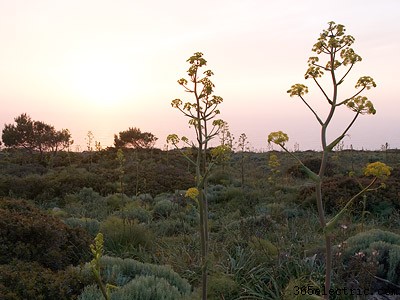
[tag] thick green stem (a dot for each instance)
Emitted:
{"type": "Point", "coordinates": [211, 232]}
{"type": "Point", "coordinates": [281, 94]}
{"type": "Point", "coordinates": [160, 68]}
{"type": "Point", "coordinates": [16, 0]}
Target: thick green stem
{"type": "Point", "coordinates": [328, 264]}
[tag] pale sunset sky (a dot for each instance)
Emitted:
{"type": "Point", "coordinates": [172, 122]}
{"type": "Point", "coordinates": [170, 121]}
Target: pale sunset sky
{"type": "Point", "coordinates": [104, 66]}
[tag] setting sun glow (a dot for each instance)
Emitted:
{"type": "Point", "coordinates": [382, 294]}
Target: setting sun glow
{"type": "Point", "coordinates": [101, 81]}
{"type": "Point", "coordinates": [105, 66]}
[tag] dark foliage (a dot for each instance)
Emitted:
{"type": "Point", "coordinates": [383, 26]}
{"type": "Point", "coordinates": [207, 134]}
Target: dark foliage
{"type": "Point", "coordinates": [30, 280]}
{"type": "Point", "coordinates": [28, 234]}
{"type": "Point", "coordinates": [34, 135]}
{"type": "Point", "coordinates": [336, 191]}
{"type": "Point", "coordinates": [145, 171]}
{"type": "Point", "coordinates": [313, 164]}
{"type": "Point", "coordinates": [371, 261]}
{"type": "Point", "coordinates": [134, 138]}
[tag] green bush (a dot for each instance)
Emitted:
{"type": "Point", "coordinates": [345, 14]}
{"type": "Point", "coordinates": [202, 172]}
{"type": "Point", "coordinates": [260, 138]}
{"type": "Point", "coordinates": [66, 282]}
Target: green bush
{"type": "Point", "coordinates": [28, 187]}
{"type": "Point", "coordinates": [116, 202]}
{"type": "Point", "coordinates": [163, 209]}
{"type": "Point", "coordinates": [132, 268]}
{"type": "Point", "coordinates": [86, 203]}
{"type": "Point", "coordinates": [377, 250]}
{"type": "Point", "coordinates": [147, 288]}
{"type": "Point", "coordinates": [313, 164]}
{"type": "Point", "coordinates": [133, 212]}
{"type": "Point", "coordinates": [171, 227]}
{"type": "Point", "coordinates": [162, 196]}
{"type": "Point", "coordinates": [191, 215]}
{"type": "Point", "coordinates": [337, 190]}
{"type": "Point", "coordinates": [29, 234]}
{"type": "Point", "coordinates": [222, 286]}
{"type": "Point", "coordinates": [72, 180]}
{"type": "Point", "coordinates": [232, 193]}
{"type": "Point", "coordinates": [253, 225]}
{"type": "Point", "coordinates": [30, 280]}
{"type": "Point", "coordinates": [141, 288]}
{"type": "Point", "coordinates": [92, 226]}
{"type": "Point", "coordinates": [220, 177]}
{"type": "Point", "coordinates": [130, 274]}
{"type": "Point", "coordinates": [120, 234]}
{"type": "Point", "coordinates": [263, 247]}
{"type": "Point", "coordinates": [91, 292]}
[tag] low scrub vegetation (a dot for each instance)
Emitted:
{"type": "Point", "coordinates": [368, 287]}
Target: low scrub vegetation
{"type": "Point", "coordinates": [264, 240]}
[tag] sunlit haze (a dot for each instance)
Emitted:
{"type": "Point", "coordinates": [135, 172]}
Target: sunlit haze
{"type": "Point", "coordinates": [105, 66]}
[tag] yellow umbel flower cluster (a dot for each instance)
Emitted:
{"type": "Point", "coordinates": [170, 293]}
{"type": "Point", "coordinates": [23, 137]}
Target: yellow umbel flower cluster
{"type": "Point", "coordinates": [377, 169]}
{"type": "Point", "coordinates": [192, 193]}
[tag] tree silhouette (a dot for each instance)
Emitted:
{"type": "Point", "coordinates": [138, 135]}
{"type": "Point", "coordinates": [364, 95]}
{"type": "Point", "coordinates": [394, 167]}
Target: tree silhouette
{"type": "Point", "coordinates": [134, 138]}
{"type": "Point", "coordinates": [35, 136]}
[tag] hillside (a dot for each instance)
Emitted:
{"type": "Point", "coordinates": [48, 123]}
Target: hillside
{"type": "Point", "coordinates": [265, 241]}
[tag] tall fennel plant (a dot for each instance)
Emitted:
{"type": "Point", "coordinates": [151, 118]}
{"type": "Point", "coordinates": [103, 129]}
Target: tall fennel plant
{"type": "Point", "coordinates": [334, 46]}
{"type": "Point", "coordinates": [202, 113]}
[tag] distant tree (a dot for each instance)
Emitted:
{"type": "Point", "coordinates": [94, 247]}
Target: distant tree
{"type": "Point", "coordinates": [35, 136]}
{"type": "Point", "coordinates": [134, 138]}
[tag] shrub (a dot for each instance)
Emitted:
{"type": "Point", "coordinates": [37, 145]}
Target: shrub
{"type": "Point", "coordinates": [253, 225]}
{"type": "Point", "coordinates": [263, 247]}
{"type": "Point", "coordinates": [86, 203]}
{"type": "Point", "coordinates": [220, 177]}
{"type": "Point", "coordinates": [220, 194]}
{"type": "Point", "coordinates": [91, 292]}
{"type": "Point", "coordinates": [130, 274]}
{"type": "Point", "coordinates": [116, 202]}
{"type": "Point", "coordinates": [141, 288]}
{"type": "Point", "coordinates": [120, 234]}
{"type": "Point", "coordinates": [366, 249]}
{"type": "Point", "coordinates": [29, 234]}
{"type": "Point", "coordinates": [92, 226]}
{"type": "Point", "coordinates": [146, 197]}
{"type": "Point", "coordinates": [191, 215]}
{"type": "Point", "coordinates": [170, 227]}
{"type": "Point", "coordinates": [162, 196]}
{"type": "Point", "coordinates": [339, 189]}
{"type": "Point", "coordinates": [30, 280]}
{"type": "Point", "coordinates": [148, 288]}
{"type": "Point", "coordinates": [28, 187]}
{"type": "Point", "coordinates": [313, 164]}
{"type": "Point", "coordinates": [163, 209]}
{"type": "Point", "coordinates": [60, 182]}
{"type": "Point", "coordinates": [222, 286]}
{"type": "Point", "coordinates": [132, 212]}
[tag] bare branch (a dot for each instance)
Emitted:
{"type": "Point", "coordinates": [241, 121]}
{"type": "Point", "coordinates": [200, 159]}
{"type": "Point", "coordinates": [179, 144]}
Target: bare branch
{"type": "Point", "coordinates": [312, 110]}
{"type": "Point", "coordinates": [322, 90]}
